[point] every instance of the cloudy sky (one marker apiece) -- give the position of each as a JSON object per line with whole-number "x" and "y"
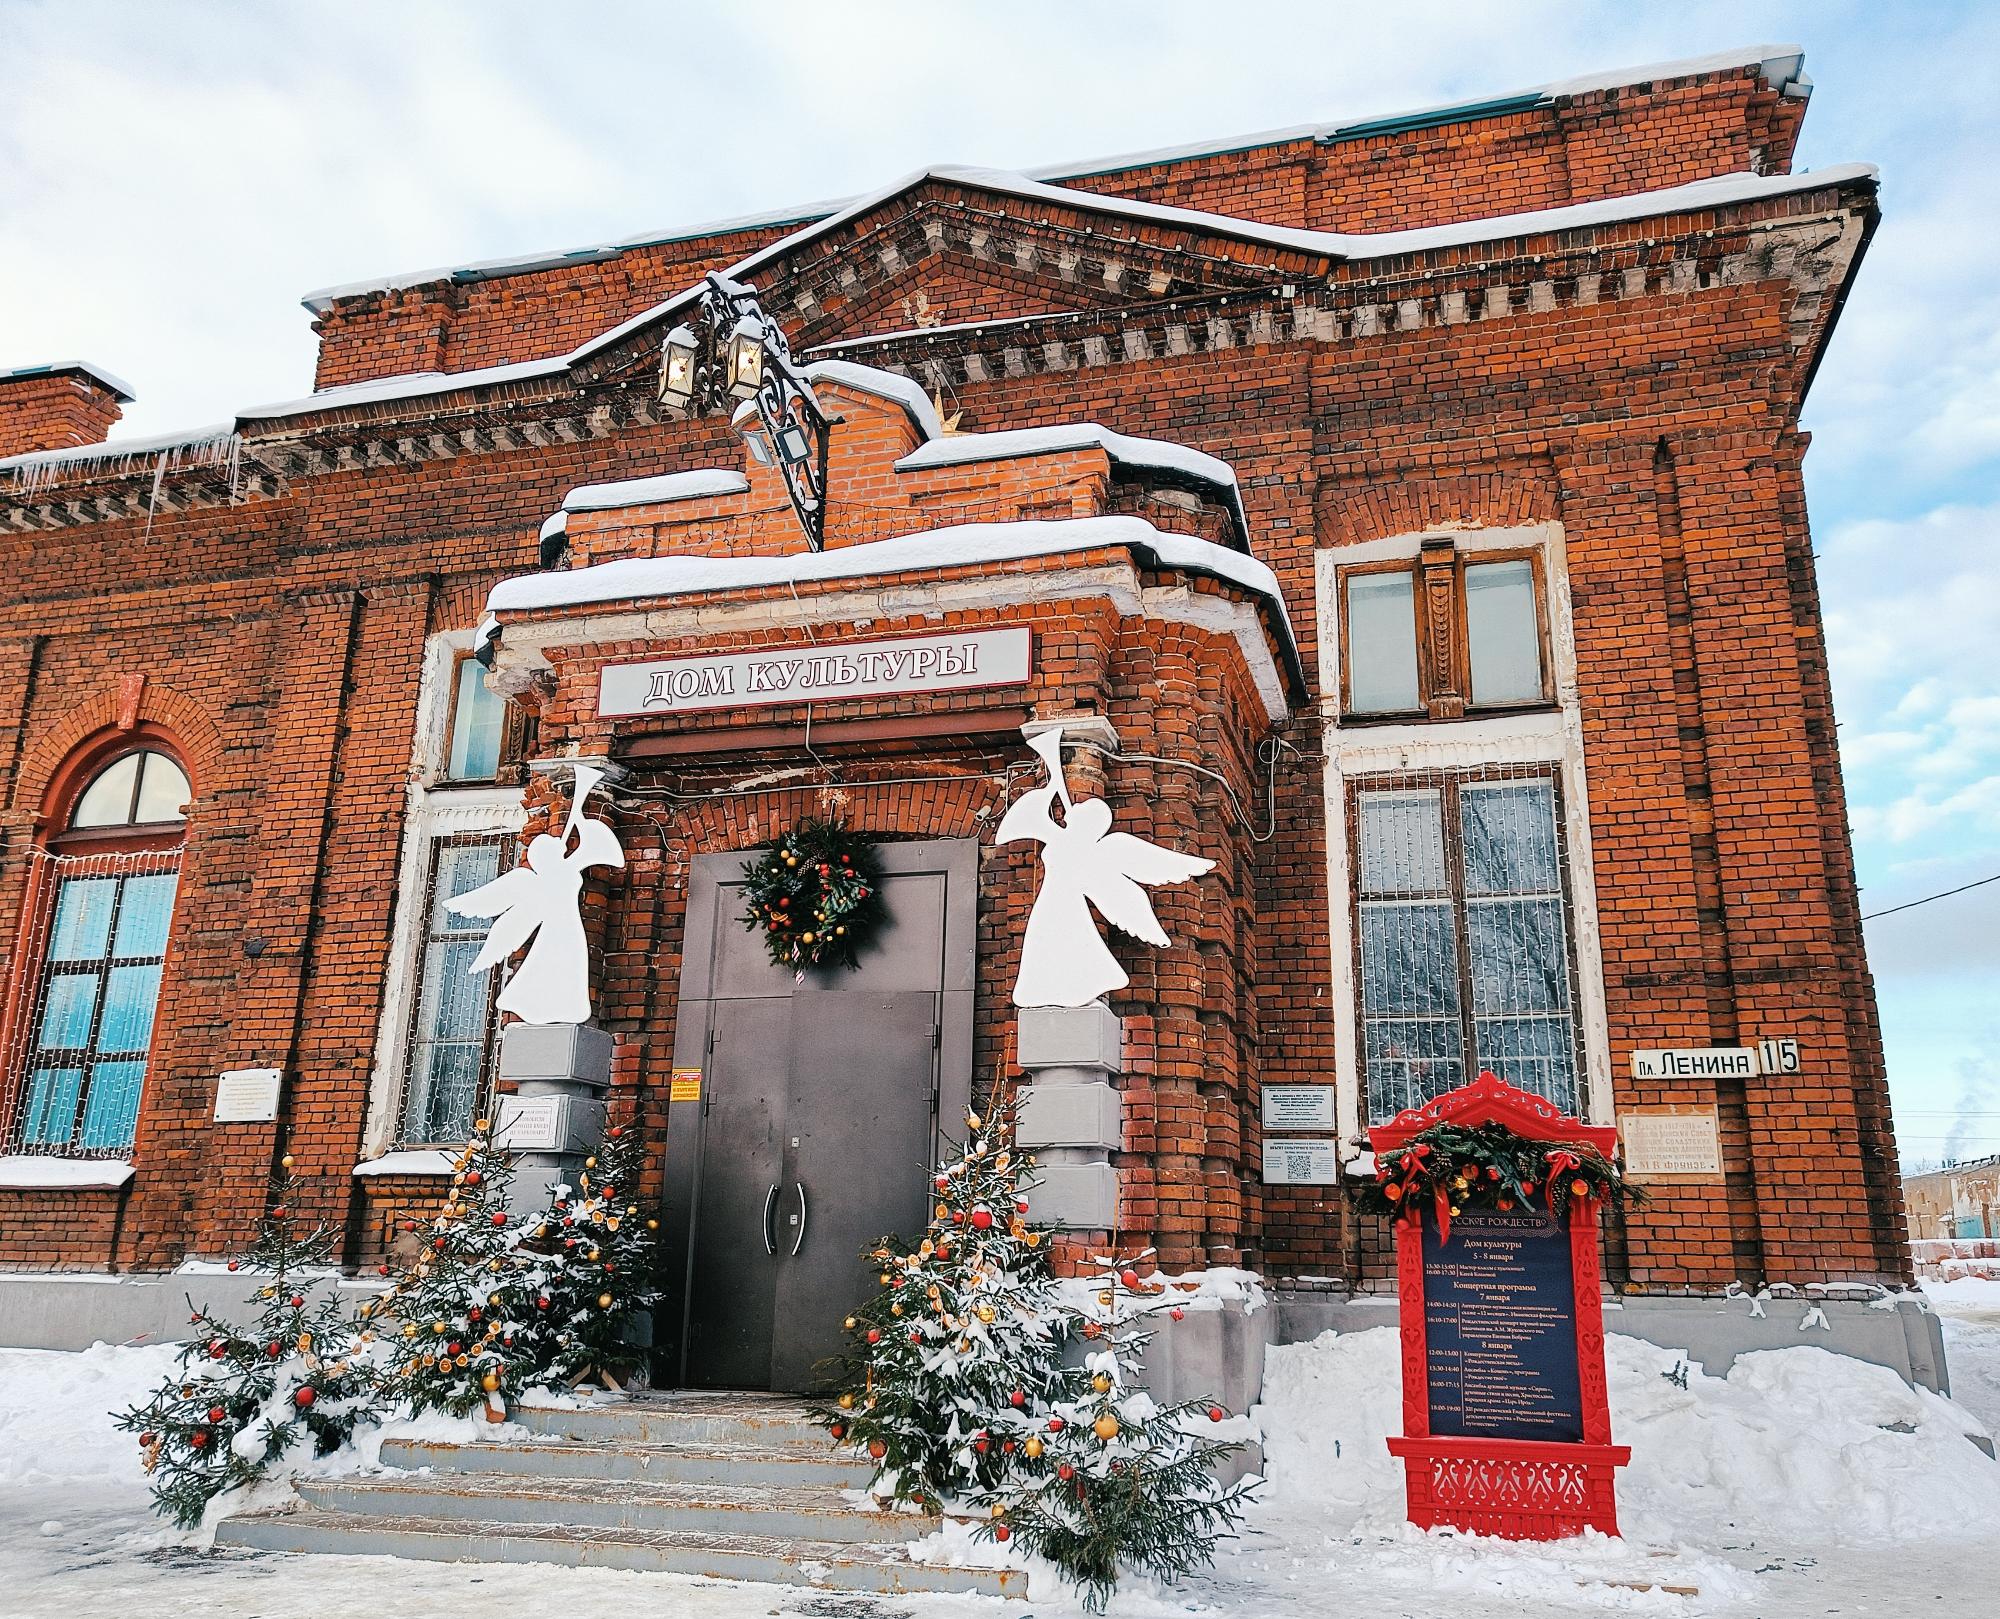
{"x": 174, "y": 175}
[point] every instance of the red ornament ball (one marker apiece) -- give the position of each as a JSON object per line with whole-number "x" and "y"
{"x": 218, "y": 1349}
{"x": 541, "y": 1304}
{"x": 874, "y": 1335}
{"x": 499, "y": 1216}
{"x": 234, "y": 1266}
{"x": 916, "y": 1337}
{"x": 148, "y": 1437}
{"x": 877, "y": 1449}
{"x": 1017, "y": 1398}
{"x": 838, "y": 1430}
{"x": 1001, "y": 1532}
{"x": 280, "y": 1212}
{"x": 381, "y": 1270}
{"x": 198, "y": 1439}
{"x": 982, "y": 1219}
{"x": 295, "y": 1301}
{"x": 944, "y": 1183}
{"x": 1177, "y": 1313}
{"x": 472, "y": 1177}
{"x": 216, "y": 1413}
{"x": 615, "y": 1131}
{"x": 1129, "y": 1278}
{"x": 1065, "y": 1472}
{"x": 454, "y": 1348}
{"x": 1216, "y": 1413}
{"x": 304, "y": 1398}
{"x": 1055, "y": 1424}
{"x": 274, "y": 1349}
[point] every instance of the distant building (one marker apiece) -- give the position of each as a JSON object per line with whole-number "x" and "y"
{"x": 1958, "y": 1201}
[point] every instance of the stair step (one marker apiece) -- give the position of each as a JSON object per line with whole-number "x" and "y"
{"x": 791, "y": 1465}
{"x": 681, "y": 1417}
{"x": 832, "y": 1565}
{"x": 779, "y": 1512}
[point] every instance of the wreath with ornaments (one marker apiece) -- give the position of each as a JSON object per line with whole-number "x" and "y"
{"x": 815, "y": 897}
{"x": 1452, "y": 1167}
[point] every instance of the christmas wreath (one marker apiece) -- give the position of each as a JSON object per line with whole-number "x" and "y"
{"x": 814, "y": 897}
{"x": 1452, "y": 1167}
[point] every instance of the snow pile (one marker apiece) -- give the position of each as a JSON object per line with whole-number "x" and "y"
{"x": 56, "y": 1408}
{"x": 1794, "y": 1445}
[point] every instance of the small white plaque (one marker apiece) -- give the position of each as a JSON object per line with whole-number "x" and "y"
{"x": 829, "y": 672}
{"x": 529, "y": 1123}
{"x": 247, "y": 1095}
{"x": 1696, "y": 1062}
{"x": 1670, "y": 1144}
{"x": 1298, "y": 1107}
{"x": 1301, "y": 1163}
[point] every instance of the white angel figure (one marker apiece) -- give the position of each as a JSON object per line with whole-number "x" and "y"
{"x": 1064, "y": 960}
{"x": 538, "y": 898}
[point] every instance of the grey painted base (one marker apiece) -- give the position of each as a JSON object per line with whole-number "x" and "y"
{"x": 1903, "y": 1336}
{"x": 48, "y": 1311}
{"x": 1213, "y": 1355}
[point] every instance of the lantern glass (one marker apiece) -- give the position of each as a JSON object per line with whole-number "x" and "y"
{"x": 793, "y": 444}
{"x": 677, "y": 368}
{"x": 746, "y": 361}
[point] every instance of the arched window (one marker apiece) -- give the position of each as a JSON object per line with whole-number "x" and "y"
{"x": 108, "y": 877}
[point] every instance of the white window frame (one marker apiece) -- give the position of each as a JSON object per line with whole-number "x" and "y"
{"x": 1550, "y": 736}
{"x": 436, "y": 808}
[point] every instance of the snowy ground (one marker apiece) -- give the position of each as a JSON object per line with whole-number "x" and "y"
{"x": 1800, "y": 1485}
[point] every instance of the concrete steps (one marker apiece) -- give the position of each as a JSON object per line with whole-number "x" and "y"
{"x": 737, "y": 1487}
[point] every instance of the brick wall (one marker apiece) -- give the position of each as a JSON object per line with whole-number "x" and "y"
{"x": 55, "y": 410}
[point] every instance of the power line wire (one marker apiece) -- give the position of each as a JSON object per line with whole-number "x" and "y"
{"x": 1909, "y": 905}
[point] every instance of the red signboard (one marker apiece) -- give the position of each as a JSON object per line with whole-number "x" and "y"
{"x": 1495, "y": 1354}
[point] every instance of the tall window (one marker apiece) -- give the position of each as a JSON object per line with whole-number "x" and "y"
{"x": 480, "y": 734}
{"x": 1463, "y": 935}
{"x": 1447, "y": 633}
{"x": 112, "y": 875}
{"x": 452, "y": 1033}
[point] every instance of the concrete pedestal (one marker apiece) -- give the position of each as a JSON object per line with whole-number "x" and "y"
{"x": 1070, "y": 1116}
{"x": 554, "y": 1117}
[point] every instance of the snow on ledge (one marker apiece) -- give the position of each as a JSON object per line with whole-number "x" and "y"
{"x": 408, "y": 385}
{"x": 1158, "y": 454}
{"x": 886, "y": 385}
{"x": 963, "y": 545}
{"x": 35, "y": 1171}
{"x": 696, "y": 484}
{"x": 417, "y": 1161}
{"x": 57, "y": 368}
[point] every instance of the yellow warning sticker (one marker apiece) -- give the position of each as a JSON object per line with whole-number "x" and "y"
{"x": 685, "y": 1085}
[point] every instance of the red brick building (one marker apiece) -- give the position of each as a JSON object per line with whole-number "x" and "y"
{"x": 1478, "y": 645}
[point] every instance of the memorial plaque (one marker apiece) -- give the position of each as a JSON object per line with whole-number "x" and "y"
{"x": 1298, "y": 1107}
{"x": 1500, "y": 1328}
{"x": 1667, "y": 1144}
{"x": 247, "y": 1095}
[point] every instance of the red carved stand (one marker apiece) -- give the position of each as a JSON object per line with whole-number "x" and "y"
{"x": 1518, "y": 1489}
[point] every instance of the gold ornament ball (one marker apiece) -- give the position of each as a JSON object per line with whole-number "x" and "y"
{"x": 1104, "y": 1298}
{"x": 409, "y": 1332}
{"x": 847, "y": 1402}
{"x": 286, "y": 1160}
{"x": 1101, "y": 1383}
{"x": 590, "y": 1163}
{"x": 895, "y": 1309}
{"x": 848, "y": 1323}
{"x": 884, "y": 1278}
{"x": 1032, "y": 1449}
{"x": 652, "y": 1225}
{"x": 986, "y": 1313}
{"x": 489, "y": 1382}
{"x": 479, "y": 1126}
{"x": 1105, "y": 1427}
{"x": 999, "y": 1511}
{"x": 604, "y": 1301}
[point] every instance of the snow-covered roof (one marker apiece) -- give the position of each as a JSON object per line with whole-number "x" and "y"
{"x": 956, "y": 546}
{"x": 113, "y": 449}
{"x": 96, "y": 373}
{"x": 1781, "y": 65}
{"x": 698, "y": 483}
{"x": 406, "y": 385}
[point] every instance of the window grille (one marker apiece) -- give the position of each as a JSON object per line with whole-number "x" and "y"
{"x": 1463, "y": 936}
{"x": 453, "y": 1030}
{"x": 100, "y": 940}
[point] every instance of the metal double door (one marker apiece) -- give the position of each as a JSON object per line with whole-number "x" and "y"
{"x": 820, "y": 1117}
{"x": 816, "y": 1127}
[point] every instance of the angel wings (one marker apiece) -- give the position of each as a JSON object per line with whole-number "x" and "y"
{"x": 538, "y": 900}
{"x": 1064, "y": 960}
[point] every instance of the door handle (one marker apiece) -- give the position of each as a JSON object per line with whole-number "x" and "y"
{"x": 799, "y": 1241}
{"x": 770, "y": 1202}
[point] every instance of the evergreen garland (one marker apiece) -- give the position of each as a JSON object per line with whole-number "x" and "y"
{"x": 1451, "y": 1167}
{"x": 244, "y": 1400}
{"x": 815, "y": 896}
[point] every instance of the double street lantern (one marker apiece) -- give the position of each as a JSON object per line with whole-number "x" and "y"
{"x": 732, "y": 356}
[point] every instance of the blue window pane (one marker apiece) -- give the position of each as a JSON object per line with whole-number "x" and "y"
{"x": 129, "y": 997}
{"x": 477, "y": 719}
{"x": 50, "y": 1112}
{"x": 113, "y": 1110}
{"x": 66, "y": 1016}
{"x": 83, "y": 918}
{"x": 143, "y": 916}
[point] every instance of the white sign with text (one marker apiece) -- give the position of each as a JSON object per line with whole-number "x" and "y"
{"x": 798, "y": 674}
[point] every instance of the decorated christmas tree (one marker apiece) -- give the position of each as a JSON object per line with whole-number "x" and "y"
{"x": 958, "y": 1357}
{"x": 245, "y": 1399}
{"x": 600, "y": 1275}
{"x": 466, "y": 1324}
{"x": 1118, "y": 1482}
